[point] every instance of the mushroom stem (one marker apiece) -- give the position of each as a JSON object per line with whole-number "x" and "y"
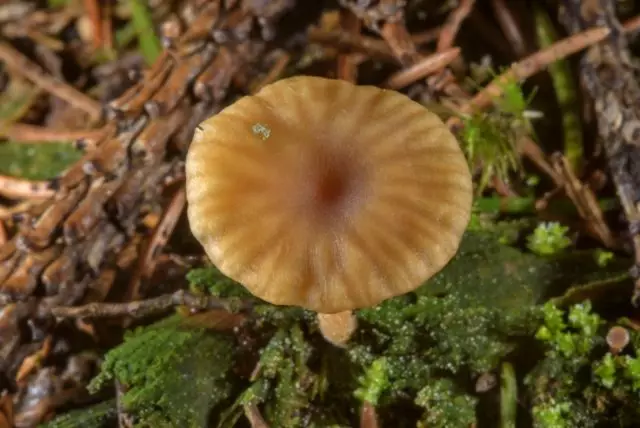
{"x": 337, "y": 328}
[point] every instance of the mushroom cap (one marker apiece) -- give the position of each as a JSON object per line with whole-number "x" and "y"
{"x": 326, "y": 195}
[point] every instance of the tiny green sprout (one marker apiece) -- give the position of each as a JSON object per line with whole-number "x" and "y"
{"x": 490, "y": 138}
{"x": 605, "y": 371}
{"x": 581, "y": 318}
{"x": 552, "y": 415}
{"x": 532, "y": 180}
{"x": 553, "y": 318}
{"x": 548, "y": 239}
{"x": 445, "y": 406}
{"x": 261, "y": 130}
{"x": 572, "y": 339}
{"x": 373, "y": 383}
{"x": 544, "y": 334}
{"x": 603, "y": 257}
{"x": 632, "y": 371}
{"x": 513, "y": 100}
{"x": 475, "y": 222}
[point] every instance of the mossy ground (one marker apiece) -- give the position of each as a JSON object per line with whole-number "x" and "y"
{"x": 417, "y": 357}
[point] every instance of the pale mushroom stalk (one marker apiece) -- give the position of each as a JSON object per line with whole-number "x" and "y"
{"x": 338, "y": 328}
{"x": 327, "y": 195}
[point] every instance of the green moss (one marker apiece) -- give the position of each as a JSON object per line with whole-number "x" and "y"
{"x": 548, "y": 239}
{"x": 578, "y": 382}
{"x": 552, "y": 414}
{"x": 407, "y": 355}
{"x": 172, "y": 374}
{"x": 36, "y": 161}
{"x": 445, "y": 407}
{"x": 489, "y": 139}
{"x": 212, "y": 281}
{"x": 373, "y": 382}
{"x": 102, "y": 415}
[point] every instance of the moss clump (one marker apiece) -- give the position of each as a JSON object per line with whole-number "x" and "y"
{"x": 102, "y": 415}
{"x": 578, "y": 382}
{"x": 173, "y": 375}
{"x": 210, "y": 280}
{"x": 292, "y": 389}
{"x": 373, "y": 382}
{"x": 548, "y": 239}
{"x": 444, "y": 409}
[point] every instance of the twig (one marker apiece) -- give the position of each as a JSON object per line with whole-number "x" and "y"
{"x": 6, "y": 213}
{"x": 374, "y": 48}
{"x": 585, "y": 201}
{"x": 92, "y": 8}
{"x": 528, "y": 148}
{"x": 509, "y": 27}
{"x": 161, "y": 234}
{"x": 275, "y": 72}
{"x": 347, "y": 68}
{"x": 452, "y": 25}
{"x": 533, "y": 64}
{"x": 144, "y": 308}
{"x": 17, "y": 188}
{"x": 30, "y": 363}
{"x": 254, "y": 416}
{"x": 368, "y": 416}
{"x": 33, "y": 72}
{"x": 427, "y": 36}
{"x": 421, "y": 69}
{"x": 3, "y": 234}
{"x": 397, "y": 36}
{"x": 537, "y": 61}
{"x": 107, "y": 26}
{"x": 20, "y": 132}
{"x": 6, "y": 409}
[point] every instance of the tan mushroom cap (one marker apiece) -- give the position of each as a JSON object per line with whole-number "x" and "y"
{"x": 326, "y": 195}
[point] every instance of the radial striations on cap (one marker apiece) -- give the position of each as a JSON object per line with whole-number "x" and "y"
{"x": 326, "y": 195}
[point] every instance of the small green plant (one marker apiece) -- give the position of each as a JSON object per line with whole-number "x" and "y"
{"x": 445, "y": 407}
{"x": 491, "y": 144}
{"x": 605, "y": 371}
{"x": 373, "y": 382}
{"x": 552, "y": 414}
{"x": 490, "y": 138}
{"x": 579, "y": 382}
{"x": 574, "y": 339}
{"x": 603, "y": 257}
{"x": 548, "y": 239}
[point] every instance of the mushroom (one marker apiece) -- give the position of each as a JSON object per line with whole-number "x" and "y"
{"x": 617, "y": 338}
{"x": 327, "y": 195}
